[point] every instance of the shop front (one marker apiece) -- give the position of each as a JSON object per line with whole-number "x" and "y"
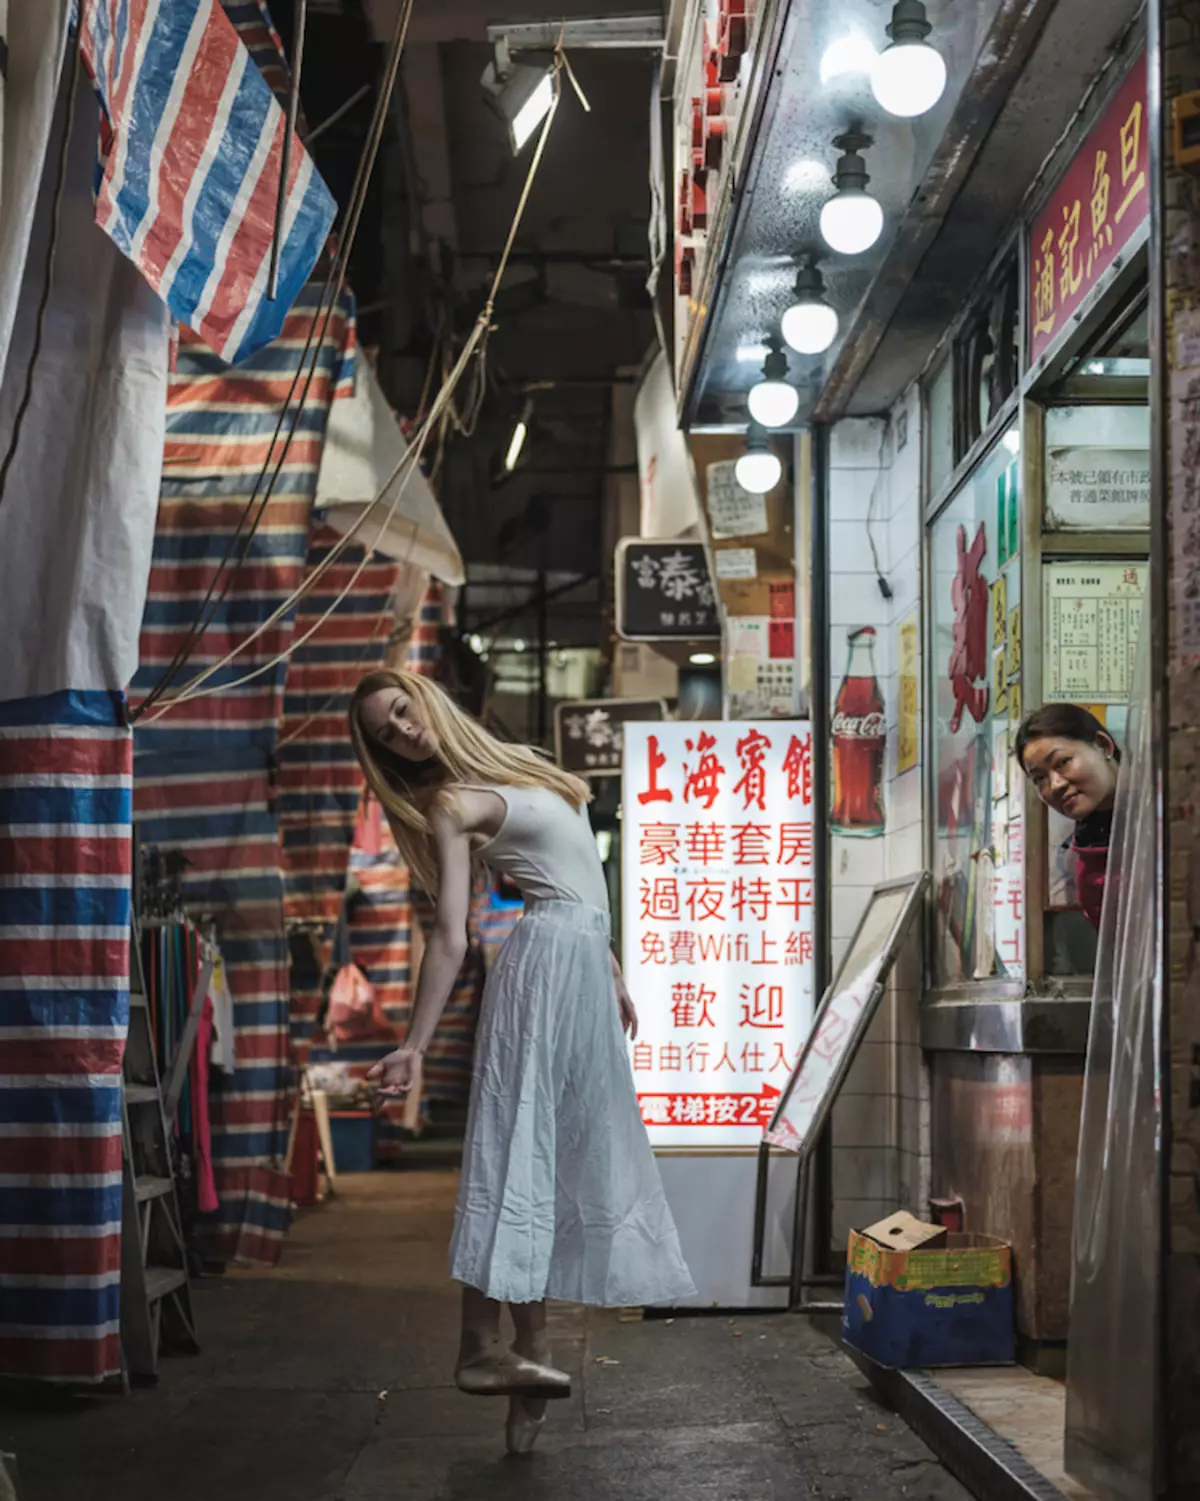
{"x": 1037, "y": 517}
{"x": 979, "y": 516}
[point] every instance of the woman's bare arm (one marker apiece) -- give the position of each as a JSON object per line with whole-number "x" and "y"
{"x": 445, "y": 950}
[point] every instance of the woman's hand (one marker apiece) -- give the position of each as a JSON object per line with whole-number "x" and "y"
{"x": 629, "y": 1019}
{"x": 396, "y": 1074}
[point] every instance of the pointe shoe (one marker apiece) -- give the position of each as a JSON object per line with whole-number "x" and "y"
{"x": 521, "y": 1431}
{"x": 510, "y": 1374}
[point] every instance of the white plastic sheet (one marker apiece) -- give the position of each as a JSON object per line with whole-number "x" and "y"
{"x": 1112, "y": 1363}
{"x": 77, "y": 516}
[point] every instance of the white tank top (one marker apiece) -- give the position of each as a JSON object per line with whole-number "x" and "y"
{"x": 546, "y": 847}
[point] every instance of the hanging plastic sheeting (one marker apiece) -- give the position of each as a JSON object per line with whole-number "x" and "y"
{"x": 191, "y": 148}
{"x": 206, "y": 771}
{"x": 251, "y": 19}
{"x": 1112, "y": 1363}
{"x": 78, "y": 508}
{"x": 319, "y": 778}
{"x": 36, "y": 42}
{"x": 66, "y": 766}
{"x": 363, "y": 448}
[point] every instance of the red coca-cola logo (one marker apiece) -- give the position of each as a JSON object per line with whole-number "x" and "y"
{"x": 860, "y": 727}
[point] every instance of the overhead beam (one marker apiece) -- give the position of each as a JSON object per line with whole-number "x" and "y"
{"x": 591, "y": 33}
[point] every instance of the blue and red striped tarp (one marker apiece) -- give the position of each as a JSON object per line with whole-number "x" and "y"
{"x": 206, "y": 772}
{"x": 319, "y": 779}
{"x": 66, "y": 772}
{"x": 191, "y": 148}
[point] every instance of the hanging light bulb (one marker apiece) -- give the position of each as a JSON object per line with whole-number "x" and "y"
{"x": 520, "y": 432}
{"x": 810, "y": 325}
{"x": 774, "y": 402}
{"x": 852, "y": 220}
{"x": 758, "y": 470}
{"x": 909, "y": 77}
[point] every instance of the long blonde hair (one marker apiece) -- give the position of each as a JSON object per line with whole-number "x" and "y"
{"x": 410, "y": 791}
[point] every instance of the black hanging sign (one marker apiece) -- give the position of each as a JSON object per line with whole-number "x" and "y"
{"x": 664, "y": 592}
{"x": 588, "y": 734}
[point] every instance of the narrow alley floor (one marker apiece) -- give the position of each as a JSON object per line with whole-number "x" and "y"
{"x": 329, "y": 1379}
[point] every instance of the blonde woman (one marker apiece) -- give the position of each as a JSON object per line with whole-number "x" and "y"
{"x": 560, "y": 1194}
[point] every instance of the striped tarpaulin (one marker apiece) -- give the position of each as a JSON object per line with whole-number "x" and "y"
{"x": 319, "y": 778}
{"x": 206, "y": 771}
{"x": 65, "y": 863}
{"x": 251, "y": 19}
{"x": 191, "y": 148}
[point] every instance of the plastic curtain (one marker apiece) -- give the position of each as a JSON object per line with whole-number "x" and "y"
{"x": 1113, "y": 1354}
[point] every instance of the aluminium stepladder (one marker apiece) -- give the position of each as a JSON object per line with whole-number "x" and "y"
{"x": 156, "y": 1303}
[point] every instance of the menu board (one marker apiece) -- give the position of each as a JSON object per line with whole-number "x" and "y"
{"x": 1092, "y": 612}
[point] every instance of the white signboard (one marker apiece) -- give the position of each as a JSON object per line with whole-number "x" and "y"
{"x": 670, "y": 507}
{"x": 717, "y": 877}
{"x": 1092, "y": 613}
{"x": 1097, "y": 489}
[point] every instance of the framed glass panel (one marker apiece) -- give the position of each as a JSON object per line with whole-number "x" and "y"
{"x": 976, "y": 676}
{"x": 939, "y": 400}
{"x": 1097, "y": 468}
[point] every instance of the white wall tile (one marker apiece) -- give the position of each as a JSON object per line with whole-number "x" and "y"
{"x": 865, "y": 1120}
{"x": 865, "y": 1173}
{"x": 850, "y": 558}
{"x": 854, "y": 443}
{"x": 857, "y": 862}
{"x": 851, "y": 491}
{"x": 846, "y": 908}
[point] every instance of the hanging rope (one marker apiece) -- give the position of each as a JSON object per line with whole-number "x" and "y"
{"x": 401, "y": 473}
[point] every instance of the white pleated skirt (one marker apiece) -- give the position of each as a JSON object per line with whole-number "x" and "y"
{"x": 560, "y": 1195}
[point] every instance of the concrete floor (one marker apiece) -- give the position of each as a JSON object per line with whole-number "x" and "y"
{"x": 330, "y": 1380}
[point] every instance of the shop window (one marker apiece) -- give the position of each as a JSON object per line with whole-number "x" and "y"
{"x": 1097, "y": 468}
{"x": 986, "y": 361}
{"x": 1092, "y": 612}
{"x": 978, "y": 844}
{"x": 939, "y": 403}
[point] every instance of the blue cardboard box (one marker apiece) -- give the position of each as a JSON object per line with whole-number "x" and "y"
{"x": 950, "y": 1306}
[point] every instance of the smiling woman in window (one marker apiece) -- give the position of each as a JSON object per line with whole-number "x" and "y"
{"x": 1072, "y": 761}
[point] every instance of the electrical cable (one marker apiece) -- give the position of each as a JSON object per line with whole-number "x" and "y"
{"x": 408, "y": 462}
{"x": 51, "y": 252}
{"x": 334, "y": 281}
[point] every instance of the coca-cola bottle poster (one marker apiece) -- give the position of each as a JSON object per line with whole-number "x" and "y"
{"x": 859, "y": 735}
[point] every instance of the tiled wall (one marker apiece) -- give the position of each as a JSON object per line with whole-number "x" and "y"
{"x": 881, "y": 1122}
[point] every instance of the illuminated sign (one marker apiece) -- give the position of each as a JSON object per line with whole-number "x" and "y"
{"x": 1093, "y": 213}
{"x": 717, "y": 851}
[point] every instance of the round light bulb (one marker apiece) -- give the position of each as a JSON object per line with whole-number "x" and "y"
{"x": 908, "y": 78}
{"x": 809, "y": 327}
{"x": 758, "y": 470}
{"x": 851, "y": 221}
{"x": 848, "y": 55}
{"x": 773, "y": 402}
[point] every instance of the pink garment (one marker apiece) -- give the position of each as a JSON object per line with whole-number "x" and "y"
{"x": 206, "y": 1187}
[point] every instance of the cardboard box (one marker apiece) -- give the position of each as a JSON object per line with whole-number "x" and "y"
{"x": 950, "y": 1305}
{"x": 905, "y": 1232}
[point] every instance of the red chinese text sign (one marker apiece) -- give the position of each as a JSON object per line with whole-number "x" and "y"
{"x": 1093, "y": 213}
{"x": 717, "y": 851}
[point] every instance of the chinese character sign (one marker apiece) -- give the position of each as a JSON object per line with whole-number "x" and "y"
{"x": 1093, "y": 213}
{"x": 664, "y": 591}
{"x": 717, "y": 876}
{"x": 588, "y": 735}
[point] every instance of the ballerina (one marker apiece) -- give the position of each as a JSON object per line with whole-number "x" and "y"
{"x": 560, "y": 1195}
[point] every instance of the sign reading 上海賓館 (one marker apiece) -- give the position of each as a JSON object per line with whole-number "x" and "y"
{"x": 717, "y": 893}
